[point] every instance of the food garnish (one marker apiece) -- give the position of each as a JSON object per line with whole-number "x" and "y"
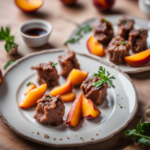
{"x": 104, "y": 20}
{"x": 8, "y": 64}
{"x": 123, "y": 21}
{"x": 28, "y": 83}
{"x": 121, "y": 107}
{"x": 140, "y": 31}
{"x": 5, "y": 35}
{"x": 54, "y": 64}
{"x": 86, "y": 28}
{"x": 104, "y": 78}
{"x": 123, "y": 42}
{"x": 141, "y": 134}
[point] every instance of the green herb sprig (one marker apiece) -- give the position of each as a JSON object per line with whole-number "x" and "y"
{"x": 104, "y": 78}
{"x": 104, "y": 20}
{"x": 123, "y": 42}
{"x": 84, "y": 29}
{"x": 5, "y": 35}
{"x": 140, "y": 31}
{"x": 8, "y": 64}
{"x": 28, "y": 83}
{"x": 141, "y": 134}
{"x": 123, "y": 21}
{"x": 54, "y": 64}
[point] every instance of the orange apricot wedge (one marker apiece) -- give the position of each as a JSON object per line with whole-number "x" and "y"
{"x": 32, "y": 97}
{"x": 138, "y": 59}
{"x": 77, "y": 76}
{"x": 75, "y": 113}
{"x": 95, "y": 47}
{"x": 89, "y": 109}
{"x": 1, "y": 77}
{"x": 68, "y": 97}
{"x": 62, "y": 89}
{"x": 29, "y": 5}
{"x": 30, "y": 88}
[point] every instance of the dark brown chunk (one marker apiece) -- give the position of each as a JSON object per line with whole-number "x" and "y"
{"x": 50, "y": 110}
{"x": 125, "y": 25}
{"x": 46, "y": 74}
{"x": 103, "y": 31}
{"x": 137, "y": 39}
{"x": 67, "y": 62}
{"x": 118, "y": 49}
{"x": 97, "y": 95}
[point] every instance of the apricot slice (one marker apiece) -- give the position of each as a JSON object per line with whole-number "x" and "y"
{"x": 138, "y": 59}
{"x": 62, "y": 89}
{"x": 95, "y": 47}
{"x": 29, "y": 5}
{"x": 68, "y": 97}
{"x": 1, "y": 77}
{"x": 30, "y": 88}
{"x": 32, "y": 97}
{"x": 77, "y": 76}
{"x": 89, "y": 109}
{"x": 75, "y": 113}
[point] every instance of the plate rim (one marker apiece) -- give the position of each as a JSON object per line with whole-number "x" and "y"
{"x": 13, "y": 129}
{"x": 91, "y": 20}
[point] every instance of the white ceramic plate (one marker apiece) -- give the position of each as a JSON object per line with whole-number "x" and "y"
{"x": 81, "y": 47}
{"x": 112, "y": 120}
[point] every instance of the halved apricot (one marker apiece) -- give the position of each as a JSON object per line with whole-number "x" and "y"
{"x": 29, "y": 5}
{"x": 75, "y": 113}
{"x": 68, "y": 97}
{"x": 77, "y": 76}
{"x": 32, "y": 97}
{"x": 62, "y": 89}
{"x": 138, "y": 59}
{"x": 30, "y": 88}
{"x": 89, "y": 109}
{"x": 95, "y": 47}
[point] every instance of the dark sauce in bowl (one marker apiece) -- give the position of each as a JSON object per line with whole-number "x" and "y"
{"x": 35, "y": 32}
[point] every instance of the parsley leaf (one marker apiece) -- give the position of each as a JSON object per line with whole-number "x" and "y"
{"x": 140, "y": 31}
{"x": 84, "y": 29}
{"x": 104, "y": 78}
{"x": 123, "y": 21}
{"x": 141, "y": 134}
{"x": 28, "y": 83}
{"x": 5, "y": 35}
{"x": 123, "y": 42}
{"x": 9, "y": 63}
{"x": 54, "y": 64}
{"x": 104, "y": 20}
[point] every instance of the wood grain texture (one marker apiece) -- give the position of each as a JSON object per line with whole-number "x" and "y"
{"x": 64, "y": 20}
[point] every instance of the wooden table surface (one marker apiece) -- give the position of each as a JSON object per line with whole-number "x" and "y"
{"x": 64, "y": 20}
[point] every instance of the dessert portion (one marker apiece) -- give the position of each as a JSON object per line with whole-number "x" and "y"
{"x": 67, "y": 62}
{"x": 47, "y": 73}
{"x": 125, "y": 25}
{"x": 137, "y": 39}
{"x": 118, "y": 49}
{"x": 103, "y": 31}
{"x": 50, "y": 110}
{"x": 97, "y": 95}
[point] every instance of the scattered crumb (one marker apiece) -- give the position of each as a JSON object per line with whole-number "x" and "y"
{"x": 46, "y": 136}
{"x": 54, "y": 138}
{"x": 121, "y": 107}
{"x": 19, "y": 121}
{"x": 80, "y": 137}
{"x": 37, "y": 133}
{"x": 124, "y": 106}
{"x": 92, "y": 138}
{"x": 67, "y": 137}
{"x": 99, "y": 130}
{"x": 121, "y": 97}
{"x": 96, "y": 133}
{"x": 117, "y": 94}
{"x": 60, "y": 139}
{"x": 75, "y": 135}
{"x": 119, "y": 104}
{"x": 32, "y": 132}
